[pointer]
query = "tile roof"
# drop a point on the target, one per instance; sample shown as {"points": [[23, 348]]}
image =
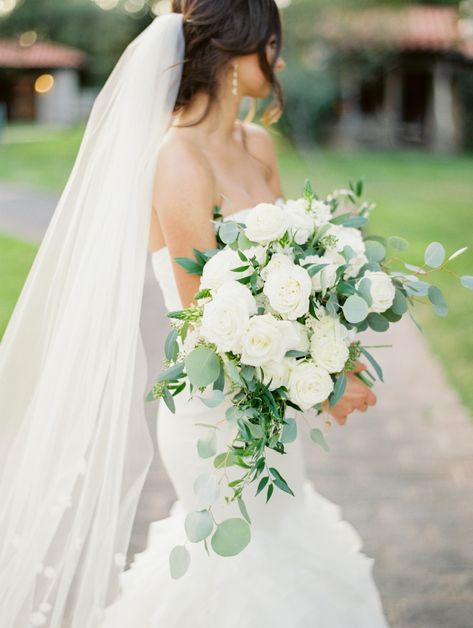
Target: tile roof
{"points": [[415, 27], [42, 54]]}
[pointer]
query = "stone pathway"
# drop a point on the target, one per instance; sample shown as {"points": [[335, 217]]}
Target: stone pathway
{"points": [[402, 472]]}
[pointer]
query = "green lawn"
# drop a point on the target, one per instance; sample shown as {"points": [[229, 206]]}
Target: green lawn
{"points": [[419, 196]]}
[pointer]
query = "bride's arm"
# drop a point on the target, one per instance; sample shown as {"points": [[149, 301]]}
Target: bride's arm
{"points": [[183, 199]]}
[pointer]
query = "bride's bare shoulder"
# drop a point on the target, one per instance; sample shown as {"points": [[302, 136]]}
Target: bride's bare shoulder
{"points": [[182, 172]]}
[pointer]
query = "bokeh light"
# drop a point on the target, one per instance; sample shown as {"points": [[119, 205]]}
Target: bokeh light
{"points": [[6, 7], [44, 83], [28, 38]]}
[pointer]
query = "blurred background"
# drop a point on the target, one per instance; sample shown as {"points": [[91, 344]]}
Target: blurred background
{"points": [[380, 90]]}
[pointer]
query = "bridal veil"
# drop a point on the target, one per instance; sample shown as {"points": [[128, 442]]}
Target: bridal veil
{"points": [[75, 447]]}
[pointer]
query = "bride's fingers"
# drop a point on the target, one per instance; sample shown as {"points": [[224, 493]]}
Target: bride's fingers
{"points": [[359, 366]]}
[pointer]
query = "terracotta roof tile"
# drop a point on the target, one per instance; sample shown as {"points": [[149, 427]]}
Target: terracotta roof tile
{"points": [[42, 54], [417, 27]]}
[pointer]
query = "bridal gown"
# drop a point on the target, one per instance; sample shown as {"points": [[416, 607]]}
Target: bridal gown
{"points": [[303, 567]]}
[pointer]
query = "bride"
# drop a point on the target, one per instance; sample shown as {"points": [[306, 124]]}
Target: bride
{"points": [[163, 145]]}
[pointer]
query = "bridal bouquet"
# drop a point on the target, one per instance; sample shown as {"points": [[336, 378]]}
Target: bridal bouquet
{"points": [[274, 327]]}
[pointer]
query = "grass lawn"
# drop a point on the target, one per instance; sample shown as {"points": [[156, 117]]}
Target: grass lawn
{"points": [[419, 196]]}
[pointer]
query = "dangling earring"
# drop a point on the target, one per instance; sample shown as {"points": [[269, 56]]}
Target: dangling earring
{"points": [[235, 80]]}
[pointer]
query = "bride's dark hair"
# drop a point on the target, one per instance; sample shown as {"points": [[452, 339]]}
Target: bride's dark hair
{"points": [[217, 30]]}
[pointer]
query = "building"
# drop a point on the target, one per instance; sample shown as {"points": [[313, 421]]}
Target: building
{"points": [[400, 72], [39, 81]]}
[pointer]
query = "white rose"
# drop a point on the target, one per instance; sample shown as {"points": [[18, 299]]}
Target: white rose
{"points": [[278, 261], [302, 343], [301, 222], [329, 344], [218, 270], [382, 290], [266, 339], [322, 212], [278, 372], [355, 265], [266, 223], [237, 292], [347, 236], [224, 322], [309, 385], [327, 277], [288, 290], [256, 251]]}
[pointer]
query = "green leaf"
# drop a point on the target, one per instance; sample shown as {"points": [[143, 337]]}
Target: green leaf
{"points": [[355, 309], [243, 510], [198, 525], [234, 373], [202, 366], [179, 561], [458, 253], [399, 244], [375, 251], [207, 490], [467, 281], [289, 431], [318, 437], [193, 268], [207, 447], [219, 383], [228, 232], [377, 322], [356, 222], [313, 269], [280, 481], [294, 353], [262, 484], [171, 348], [171, 373], [269, 492], [225, 460], [169, 400], [434, 255], [438, 301], [399, 305], [364, 290], [243, 242], [231, 537], [338, 389], [373, 362], [217, 397]]}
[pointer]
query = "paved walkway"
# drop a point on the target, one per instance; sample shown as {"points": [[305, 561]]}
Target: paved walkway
{"points": [[402, 472]]}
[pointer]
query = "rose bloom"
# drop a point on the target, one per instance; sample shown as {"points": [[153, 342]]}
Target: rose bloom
{"points": [[278, 372], [218, 270], [265, 223], [382, 290], [288, 290], [266, 339], [301, 222], [329, 344], [327, 277], [309, 385]]}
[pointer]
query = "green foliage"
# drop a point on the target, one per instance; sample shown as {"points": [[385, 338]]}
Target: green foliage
{"points": [[231, 537]]}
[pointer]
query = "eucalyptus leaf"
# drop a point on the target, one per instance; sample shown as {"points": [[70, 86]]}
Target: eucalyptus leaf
{"points": [[179, 561], [467, 281], [289, 431], [231, 537], [399, 305], [262, 484], [438, 301], [207, 490], [434, 255], [458, 253], [364, 290], [377, 322], [198, 525], [171, 348], [202, 366], [339, 389], [373, 362], [243, 509], [375, 251], [228, 232], [234, 373], [318, 437], [217, 397], [399, 244], [207, 447], [172, 373], [169, 400], [355, 309]]}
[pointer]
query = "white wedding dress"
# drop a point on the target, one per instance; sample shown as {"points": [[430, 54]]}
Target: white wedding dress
{"points": [[303, 568]]}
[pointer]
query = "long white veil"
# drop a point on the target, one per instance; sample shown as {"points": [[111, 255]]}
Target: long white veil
{"points": [[75, 445]]}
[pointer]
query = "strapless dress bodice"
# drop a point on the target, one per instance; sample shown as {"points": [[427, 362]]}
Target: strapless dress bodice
{"points": [[162, 267]]}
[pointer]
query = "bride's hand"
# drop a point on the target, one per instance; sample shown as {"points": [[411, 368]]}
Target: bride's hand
{"points": [[358, 396]]}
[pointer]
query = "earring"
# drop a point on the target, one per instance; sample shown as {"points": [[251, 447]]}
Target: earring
{"points": [[235, 80]]}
